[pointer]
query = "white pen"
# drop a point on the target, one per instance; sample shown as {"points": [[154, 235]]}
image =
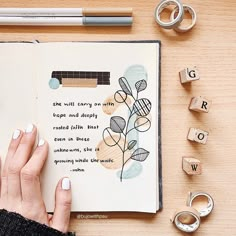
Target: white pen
{"points": [[66, 21], [66, 11]]}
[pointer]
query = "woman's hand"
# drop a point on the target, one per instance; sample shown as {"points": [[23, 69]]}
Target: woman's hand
{"points": [[20, 188]]}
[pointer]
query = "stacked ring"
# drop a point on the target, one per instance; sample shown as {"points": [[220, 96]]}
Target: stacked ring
{"points": [[187, 219], [193, 14], [192, 196], [175, 21]]}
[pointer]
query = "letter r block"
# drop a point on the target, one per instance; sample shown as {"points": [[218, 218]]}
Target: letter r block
{"points": [[191, 166], [189, 74], [200, 104], [197, 135]]}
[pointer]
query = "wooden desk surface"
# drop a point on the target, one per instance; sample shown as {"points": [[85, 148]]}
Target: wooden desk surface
{"points": [[211, 46]]}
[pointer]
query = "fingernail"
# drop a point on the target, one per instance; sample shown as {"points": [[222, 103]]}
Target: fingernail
{"points": [[29, 128], [65, 184], [41, 142], [16, 134]]}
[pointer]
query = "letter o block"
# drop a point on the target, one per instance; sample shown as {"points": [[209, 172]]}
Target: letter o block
{"points": [[189, 74], [198, 135]]}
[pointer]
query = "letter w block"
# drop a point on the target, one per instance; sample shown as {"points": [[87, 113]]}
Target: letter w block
{"points": [[191, 165]]}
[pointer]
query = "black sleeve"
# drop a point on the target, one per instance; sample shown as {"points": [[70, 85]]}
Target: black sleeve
{"points": [[13, 224]]}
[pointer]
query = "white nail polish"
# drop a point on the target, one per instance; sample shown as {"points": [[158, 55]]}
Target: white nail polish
{"points": [[65, 184], [16, 134], [29, 128], [41, 142]]}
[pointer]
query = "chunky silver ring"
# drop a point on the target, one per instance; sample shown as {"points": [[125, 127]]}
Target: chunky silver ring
{"points": [[176, 20], [185, 213], [193, 14], [210, 203]]}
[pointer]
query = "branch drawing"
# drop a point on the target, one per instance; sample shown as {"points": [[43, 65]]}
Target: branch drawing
{"points": [[119, 127]]}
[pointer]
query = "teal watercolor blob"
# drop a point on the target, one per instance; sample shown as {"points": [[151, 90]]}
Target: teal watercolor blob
{"points": [[134, 170], [135, 73], [134, 134], [54, 83]]}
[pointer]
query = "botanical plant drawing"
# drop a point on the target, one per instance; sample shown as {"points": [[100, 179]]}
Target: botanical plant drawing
{"points": [[120, 128]]}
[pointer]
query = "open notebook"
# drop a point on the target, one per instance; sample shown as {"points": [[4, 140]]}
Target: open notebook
{"points": [[98, 106]]}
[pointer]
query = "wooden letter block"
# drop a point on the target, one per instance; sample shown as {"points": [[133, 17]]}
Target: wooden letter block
{"points": [[191, 166], [197, 135], [189, 75], [200, 104]]}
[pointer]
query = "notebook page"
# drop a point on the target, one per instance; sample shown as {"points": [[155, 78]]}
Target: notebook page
{"points": [[102, 135], [17, 90]]}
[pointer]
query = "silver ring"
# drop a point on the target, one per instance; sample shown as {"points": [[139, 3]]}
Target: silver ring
{"points": [[193, 14], [210, 203], [176, 20], [184, 226]]}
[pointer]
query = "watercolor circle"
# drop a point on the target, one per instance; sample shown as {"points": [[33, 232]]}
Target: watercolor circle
{"points": [[110, 105], [54, 83], [120, 96], [135, 73], [113, 140], [111, 157], [142, 124]]}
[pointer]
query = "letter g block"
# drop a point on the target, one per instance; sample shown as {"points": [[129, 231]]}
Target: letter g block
{"points": [[189, 74]]}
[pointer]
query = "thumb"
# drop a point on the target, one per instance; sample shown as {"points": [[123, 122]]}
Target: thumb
{"points": [[61, 216]]}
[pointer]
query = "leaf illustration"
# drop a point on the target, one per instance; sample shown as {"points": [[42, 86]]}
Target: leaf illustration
{"points": [[141, 85], [142, 107], [142, 124], [125, 85], [120, 96], [140, 154], [117, 124], [131, 144], [110, 138]]}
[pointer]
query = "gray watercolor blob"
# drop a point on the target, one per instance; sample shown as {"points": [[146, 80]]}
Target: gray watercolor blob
{"points": [[54, 83], [134, 170]]}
